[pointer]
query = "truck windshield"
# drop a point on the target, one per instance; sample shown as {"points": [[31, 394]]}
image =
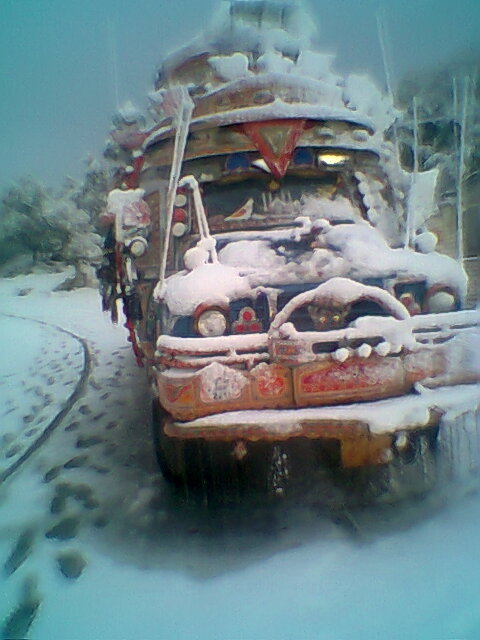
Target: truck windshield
{"points": [[258, 200], [253, 204]]}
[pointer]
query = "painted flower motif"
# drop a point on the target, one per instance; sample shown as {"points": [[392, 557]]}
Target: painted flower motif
{"points": [[271, 385], [220, 383], [136, 214]]}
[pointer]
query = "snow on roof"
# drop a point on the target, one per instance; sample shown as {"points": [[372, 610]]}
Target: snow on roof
{"points": [[128, 114], [231, 67], [119, 199], [249, 27], [256, 40], [276, 110], [362, 94], [314, 64]]}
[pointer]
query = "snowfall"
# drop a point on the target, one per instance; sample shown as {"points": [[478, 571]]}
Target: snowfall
{"points": [[95, 544]]}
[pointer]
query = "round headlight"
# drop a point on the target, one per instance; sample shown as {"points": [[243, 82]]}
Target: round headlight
{"points": [[180, 200], [211, 323], [179, 229], [138, 246], [441, 302]]}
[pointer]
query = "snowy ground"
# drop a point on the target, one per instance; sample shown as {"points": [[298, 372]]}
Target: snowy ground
{"points": [[94, 544]]}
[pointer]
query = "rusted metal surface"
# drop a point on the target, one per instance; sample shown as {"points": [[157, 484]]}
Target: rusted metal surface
{"points": [[358, 447]]}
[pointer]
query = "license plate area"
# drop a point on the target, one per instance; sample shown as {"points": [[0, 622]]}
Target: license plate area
{"points": [[357, 379]]}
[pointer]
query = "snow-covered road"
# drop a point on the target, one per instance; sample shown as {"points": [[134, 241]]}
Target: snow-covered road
{"points": [[48, 367], [94, 544]]}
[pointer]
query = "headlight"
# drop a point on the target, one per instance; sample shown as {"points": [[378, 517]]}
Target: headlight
{"points": [[441, 302], [137, 246], [211, 323], [332, 159]]}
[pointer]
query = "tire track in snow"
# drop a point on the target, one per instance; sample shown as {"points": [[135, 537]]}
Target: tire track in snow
{"points": [[72, 399]]}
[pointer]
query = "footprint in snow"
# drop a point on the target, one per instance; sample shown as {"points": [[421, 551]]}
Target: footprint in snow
{"points": [[20, 552], [88, 441], [71, 564], [65, 529], [76, 462], [52, 473], [23, 615], [84, 409], [73, 426]]}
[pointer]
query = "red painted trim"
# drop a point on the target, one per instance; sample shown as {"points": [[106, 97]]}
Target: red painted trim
{"points": [[277, 163]]}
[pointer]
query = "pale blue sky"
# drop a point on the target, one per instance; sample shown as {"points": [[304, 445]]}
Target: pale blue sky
{"points": [[56, 79]]}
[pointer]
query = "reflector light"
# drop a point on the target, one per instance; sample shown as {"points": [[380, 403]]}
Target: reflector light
{"points": [[408, 301], [247, 322], [179, 215], [179, 220], [326, 318]]}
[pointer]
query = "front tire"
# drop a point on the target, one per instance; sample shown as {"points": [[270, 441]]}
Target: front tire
{"points": [[163, 448]]}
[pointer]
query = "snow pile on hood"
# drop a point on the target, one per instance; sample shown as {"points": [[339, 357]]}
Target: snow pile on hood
{"points": [[212, 284], [263, 265], [368, 255], [251, 256], [340, 209], [342, 292], [357, 251]]}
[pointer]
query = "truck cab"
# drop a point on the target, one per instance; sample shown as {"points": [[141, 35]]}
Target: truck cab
{"points": [[277, 275]]}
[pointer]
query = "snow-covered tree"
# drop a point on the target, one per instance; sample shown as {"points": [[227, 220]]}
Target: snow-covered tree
{"points": [[59, 227], [25, 226], [91, 194], [447, 137]]}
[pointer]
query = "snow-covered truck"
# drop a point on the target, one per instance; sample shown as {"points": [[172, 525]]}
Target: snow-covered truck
{"points": [[278, 277]]}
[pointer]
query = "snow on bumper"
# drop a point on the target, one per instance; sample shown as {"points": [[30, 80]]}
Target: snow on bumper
{"points": [[367, 432]]}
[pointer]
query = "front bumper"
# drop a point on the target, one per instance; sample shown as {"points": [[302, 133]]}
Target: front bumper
{"points": [[219, 388], [368, 433], [197, 377]]}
